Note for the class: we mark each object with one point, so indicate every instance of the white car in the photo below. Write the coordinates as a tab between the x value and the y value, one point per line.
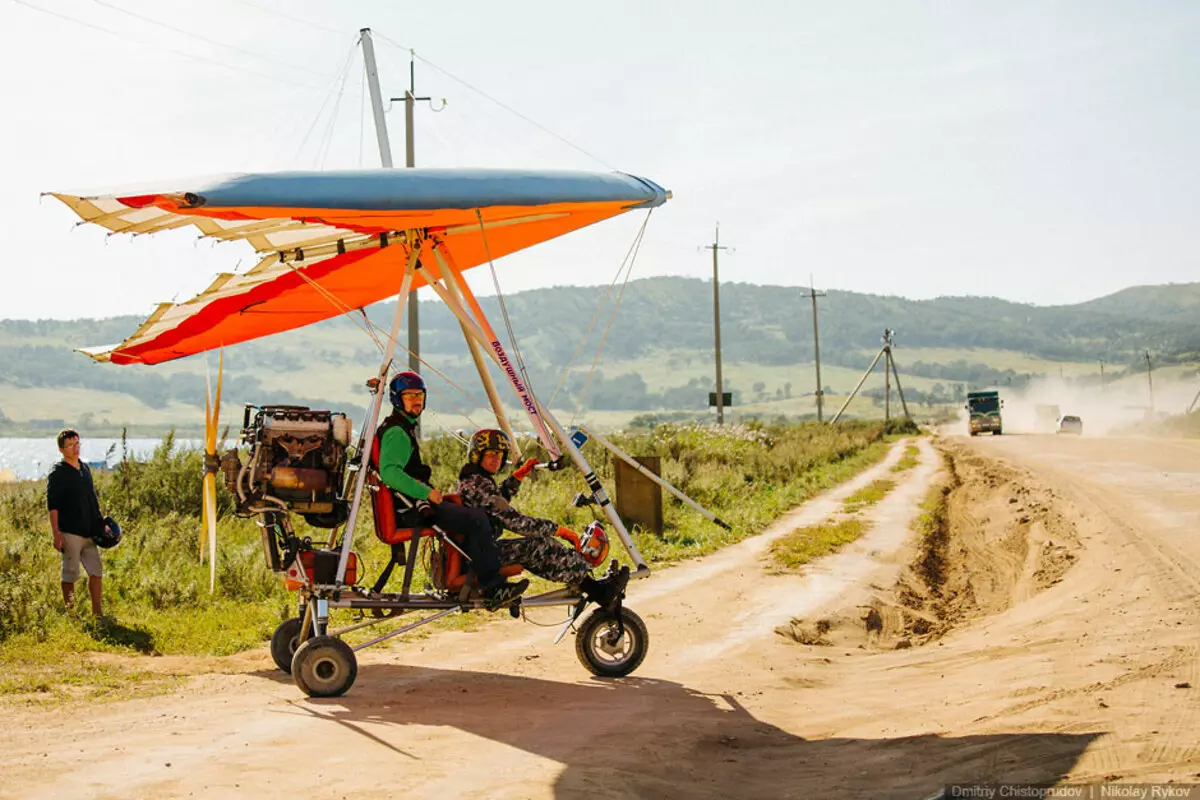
1071	424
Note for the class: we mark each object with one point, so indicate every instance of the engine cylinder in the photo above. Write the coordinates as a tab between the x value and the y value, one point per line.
299	479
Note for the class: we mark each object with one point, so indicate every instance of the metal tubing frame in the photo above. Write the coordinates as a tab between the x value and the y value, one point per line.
364	455
628	459
554	597
405	629
450	281
541	601
861	381
599	495
381	135
539	415
529	403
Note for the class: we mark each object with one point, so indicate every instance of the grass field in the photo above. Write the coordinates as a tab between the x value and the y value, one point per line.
157	589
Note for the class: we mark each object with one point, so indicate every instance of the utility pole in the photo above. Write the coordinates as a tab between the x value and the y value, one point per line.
885	352
1150	379
1102	374
890	339
812	292
887	376
385	158
410	160
715	246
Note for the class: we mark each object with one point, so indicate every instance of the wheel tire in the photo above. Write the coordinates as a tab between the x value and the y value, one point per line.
615	659
324	666
284	642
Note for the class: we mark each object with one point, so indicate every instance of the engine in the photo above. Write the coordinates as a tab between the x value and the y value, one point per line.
296	462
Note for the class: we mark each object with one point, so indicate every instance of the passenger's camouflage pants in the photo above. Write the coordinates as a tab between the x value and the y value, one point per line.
546	558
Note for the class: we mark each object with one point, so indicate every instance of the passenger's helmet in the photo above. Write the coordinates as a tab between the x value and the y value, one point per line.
594	544
488	439
108	535
404	382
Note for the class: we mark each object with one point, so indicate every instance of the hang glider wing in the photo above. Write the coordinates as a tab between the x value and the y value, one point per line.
331	242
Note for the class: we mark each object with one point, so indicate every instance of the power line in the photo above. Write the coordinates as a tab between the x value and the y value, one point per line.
205	39
503	105
298	20
157	46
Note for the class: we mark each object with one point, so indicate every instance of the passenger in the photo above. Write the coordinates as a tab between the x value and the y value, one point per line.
401	468
535	550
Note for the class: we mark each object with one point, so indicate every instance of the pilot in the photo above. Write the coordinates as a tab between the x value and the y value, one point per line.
401	468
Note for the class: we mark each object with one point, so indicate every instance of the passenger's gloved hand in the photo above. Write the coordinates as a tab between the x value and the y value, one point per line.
569	535
522	472
427	512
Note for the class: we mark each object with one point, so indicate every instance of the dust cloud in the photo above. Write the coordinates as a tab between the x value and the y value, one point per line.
1110	409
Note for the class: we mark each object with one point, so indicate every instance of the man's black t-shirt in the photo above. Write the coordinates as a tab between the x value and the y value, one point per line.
72	494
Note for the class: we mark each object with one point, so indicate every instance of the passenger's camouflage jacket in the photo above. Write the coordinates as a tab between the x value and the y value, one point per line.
478	489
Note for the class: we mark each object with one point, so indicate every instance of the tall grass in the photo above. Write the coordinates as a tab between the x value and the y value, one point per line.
156	587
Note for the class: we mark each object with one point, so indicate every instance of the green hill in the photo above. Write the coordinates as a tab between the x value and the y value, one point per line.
1175	302
658	353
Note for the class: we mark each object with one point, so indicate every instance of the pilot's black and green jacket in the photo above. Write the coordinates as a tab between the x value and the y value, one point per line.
400	465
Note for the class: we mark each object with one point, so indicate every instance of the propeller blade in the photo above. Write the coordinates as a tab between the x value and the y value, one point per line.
208	449
210	483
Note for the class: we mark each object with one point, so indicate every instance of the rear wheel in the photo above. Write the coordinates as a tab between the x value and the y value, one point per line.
324	667
607	651
284	642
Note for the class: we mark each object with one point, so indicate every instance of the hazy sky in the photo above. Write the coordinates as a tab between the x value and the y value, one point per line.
1037	151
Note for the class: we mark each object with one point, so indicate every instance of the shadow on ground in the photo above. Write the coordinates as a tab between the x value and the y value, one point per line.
642	737
109	631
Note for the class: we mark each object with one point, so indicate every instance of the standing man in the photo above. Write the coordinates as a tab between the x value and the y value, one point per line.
74	511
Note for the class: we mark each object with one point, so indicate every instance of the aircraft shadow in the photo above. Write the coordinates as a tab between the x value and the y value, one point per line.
643	737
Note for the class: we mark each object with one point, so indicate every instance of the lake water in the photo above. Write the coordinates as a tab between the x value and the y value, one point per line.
33	458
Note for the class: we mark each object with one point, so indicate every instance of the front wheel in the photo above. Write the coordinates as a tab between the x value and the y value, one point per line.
284	642
607	651
324	666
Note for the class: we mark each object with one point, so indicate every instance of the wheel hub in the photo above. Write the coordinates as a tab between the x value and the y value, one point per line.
610	643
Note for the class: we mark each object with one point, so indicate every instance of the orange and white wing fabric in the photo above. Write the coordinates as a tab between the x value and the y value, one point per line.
326	240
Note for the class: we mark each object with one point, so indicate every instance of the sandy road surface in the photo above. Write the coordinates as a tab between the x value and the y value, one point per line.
1049	624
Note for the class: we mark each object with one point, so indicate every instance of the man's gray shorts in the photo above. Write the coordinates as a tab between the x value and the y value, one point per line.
76	550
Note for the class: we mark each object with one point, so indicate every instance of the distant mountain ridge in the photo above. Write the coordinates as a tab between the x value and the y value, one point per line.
1172	302
662	321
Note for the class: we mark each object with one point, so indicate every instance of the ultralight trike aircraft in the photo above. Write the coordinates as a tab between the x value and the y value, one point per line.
332	243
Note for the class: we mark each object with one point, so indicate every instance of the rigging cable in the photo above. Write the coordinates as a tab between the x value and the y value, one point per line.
596	315
503	105
328	94
616	305
512	336
362	111
368	325
328	141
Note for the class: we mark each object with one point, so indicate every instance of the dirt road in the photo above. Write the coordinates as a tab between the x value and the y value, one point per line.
1040	634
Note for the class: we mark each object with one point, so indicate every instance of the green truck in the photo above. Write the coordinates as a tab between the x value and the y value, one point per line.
983	413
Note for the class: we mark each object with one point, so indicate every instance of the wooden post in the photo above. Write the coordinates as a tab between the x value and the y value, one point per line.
639	499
